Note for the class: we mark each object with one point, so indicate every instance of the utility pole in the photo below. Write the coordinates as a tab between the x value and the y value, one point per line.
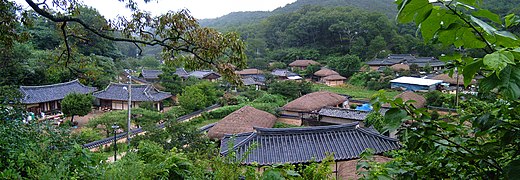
129	109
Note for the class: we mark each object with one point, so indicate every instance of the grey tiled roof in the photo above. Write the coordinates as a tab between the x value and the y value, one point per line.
303	145
202	74
140	92
283	73
250	81
343	113
151	74
181	72
384	62
46	93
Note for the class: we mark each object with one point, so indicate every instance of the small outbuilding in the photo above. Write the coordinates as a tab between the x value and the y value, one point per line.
242	121
302	64
324	72
334	80
307	106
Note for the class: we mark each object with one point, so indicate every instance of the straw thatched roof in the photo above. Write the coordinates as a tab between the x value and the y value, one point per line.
325	72
335	77
420	101
400	67
249	72
452	80
302	63
314	101
241	121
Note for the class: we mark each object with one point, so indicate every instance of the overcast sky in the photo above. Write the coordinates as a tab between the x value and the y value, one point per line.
200	9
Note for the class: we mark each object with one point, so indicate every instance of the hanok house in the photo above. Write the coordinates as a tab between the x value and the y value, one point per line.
324	72
242	121
150	75
205	75
115	96
283	74
250	81
408	59
334	80
420	101
302	64
249	72
307	106
309	144
47	98
414	84
450	83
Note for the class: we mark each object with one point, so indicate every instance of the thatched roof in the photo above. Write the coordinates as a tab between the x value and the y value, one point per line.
420	101
452	80
241	121
325	72
302	63
314	101
400	67
335	77
249	72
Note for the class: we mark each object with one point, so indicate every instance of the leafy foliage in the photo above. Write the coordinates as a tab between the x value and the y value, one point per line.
345	65
76	104
482	142
290	89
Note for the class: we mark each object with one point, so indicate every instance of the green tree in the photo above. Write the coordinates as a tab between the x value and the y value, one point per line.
76	104
377	48
414	68
310	70
345	65
290	89
171	81
150	62
193	98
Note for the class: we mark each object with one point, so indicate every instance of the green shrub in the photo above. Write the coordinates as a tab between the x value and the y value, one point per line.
271	98
148	105
87	135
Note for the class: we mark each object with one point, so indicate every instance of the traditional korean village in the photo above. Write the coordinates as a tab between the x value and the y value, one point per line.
256	90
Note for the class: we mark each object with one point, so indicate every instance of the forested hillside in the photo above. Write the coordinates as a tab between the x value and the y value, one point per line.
324	33
386	7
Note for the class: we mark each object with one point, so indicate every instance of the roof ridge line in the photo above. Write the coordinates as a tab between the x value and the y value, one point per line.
249	138
261	130
50	85
363	130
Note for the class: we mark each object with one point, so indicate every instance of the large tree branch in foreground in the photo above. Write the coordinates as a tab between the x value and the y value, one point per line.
161	42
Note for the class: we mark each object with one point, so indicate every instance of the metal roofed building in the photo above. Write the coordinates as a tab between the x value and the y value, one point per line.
304	145
115	96
47	98
414	84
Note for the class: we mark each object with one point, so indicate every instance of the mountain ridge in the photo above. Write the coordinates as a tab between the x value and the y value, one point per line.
237	18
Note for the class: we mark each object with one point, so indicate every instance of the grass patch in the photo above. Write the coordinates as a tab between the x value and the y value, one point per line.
356	92
206	122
